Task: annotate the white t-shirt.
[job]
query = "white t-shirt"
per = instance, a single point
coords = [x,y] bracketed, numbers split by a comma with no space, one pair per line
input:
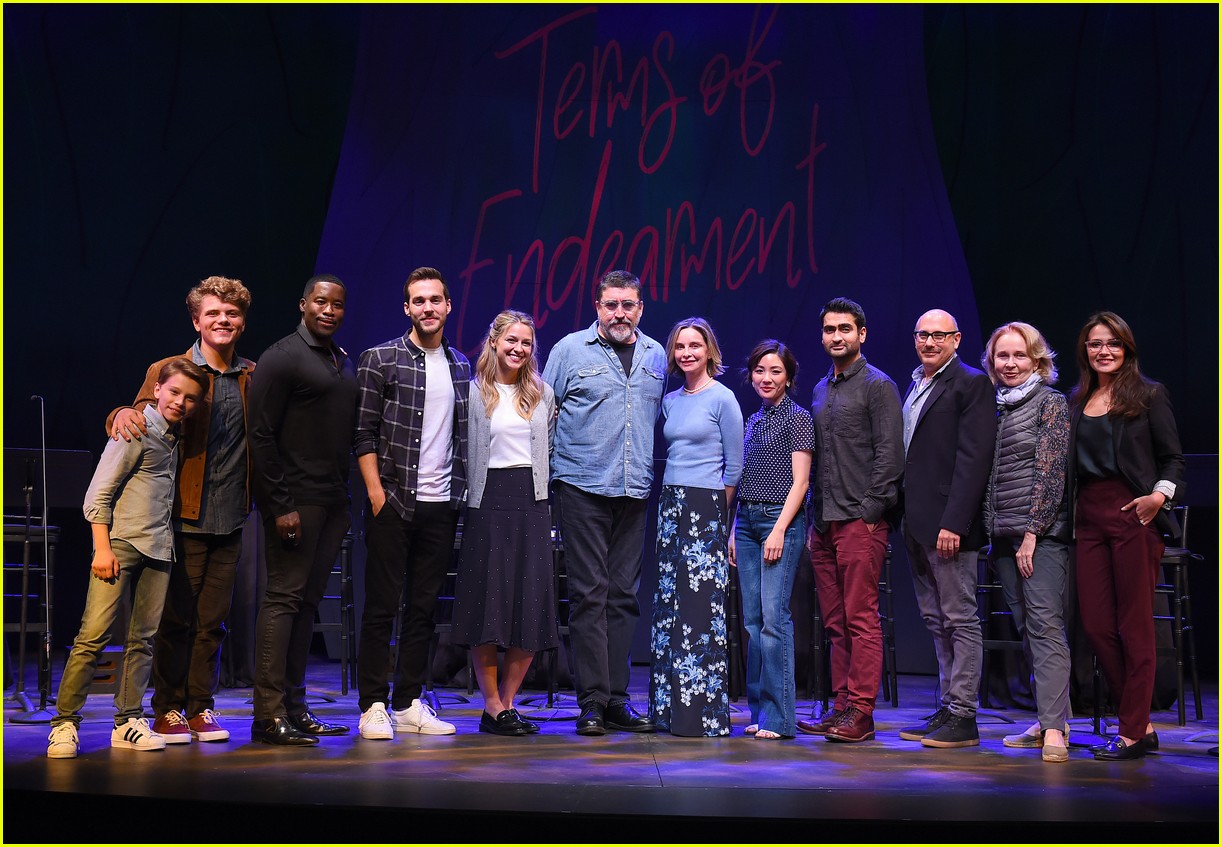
[437,437]
[510,447]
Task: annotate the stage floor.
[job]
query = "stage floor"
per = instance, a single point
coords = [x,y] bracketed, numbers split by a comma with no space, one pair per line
[557,786]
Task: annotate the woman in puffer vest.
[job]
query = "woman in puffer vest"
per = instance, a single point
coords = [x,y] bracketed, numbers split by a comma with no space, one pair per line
[1026,515]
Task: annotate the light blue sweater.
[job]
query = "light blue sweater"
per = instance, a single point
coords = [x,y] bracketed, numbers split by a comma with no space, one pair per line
[704,438]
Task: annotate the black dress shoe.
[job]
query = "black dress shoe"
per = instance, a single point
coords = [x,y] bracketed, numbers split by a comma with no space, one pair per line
[627,719]
[530,725]
[503,724]
[590,721]
[1149,741]
[280,731]
[308,723]
[1117,751]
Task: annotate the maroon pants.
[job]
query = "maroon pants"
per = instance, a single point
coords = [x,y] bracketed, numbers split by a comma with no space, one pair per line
[846,560]
[1117,563]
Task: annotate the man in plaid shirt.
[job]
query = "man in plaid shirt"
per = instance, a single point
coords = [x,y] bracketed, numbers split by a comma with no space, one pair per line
[411,447]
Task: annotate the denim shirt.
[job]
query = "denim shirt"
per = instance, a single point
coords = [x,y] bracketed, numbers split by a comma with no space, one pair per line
[605,421]
[223,503]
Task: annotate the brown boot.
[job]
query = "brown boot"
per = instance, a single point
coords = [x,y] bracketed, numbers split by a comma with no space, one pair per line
[821,726]
[856,725]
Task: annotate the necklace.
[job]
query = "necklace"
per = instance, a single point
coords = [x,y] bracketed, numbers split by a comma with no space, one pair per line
[699,387]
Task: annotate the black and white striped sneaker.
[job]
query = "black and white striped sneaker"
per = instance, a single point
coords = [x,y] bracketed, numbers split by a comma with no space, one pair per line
[136,735]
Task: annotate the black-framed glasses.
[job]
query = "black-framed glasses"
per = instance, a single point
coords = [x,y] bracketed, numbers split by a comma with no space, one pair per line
[938,337]
[615,305]
[1114,345]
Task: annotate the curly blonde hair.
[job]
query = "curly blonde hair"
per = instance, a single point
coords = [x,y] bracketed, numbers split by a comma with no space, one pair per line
[224,289]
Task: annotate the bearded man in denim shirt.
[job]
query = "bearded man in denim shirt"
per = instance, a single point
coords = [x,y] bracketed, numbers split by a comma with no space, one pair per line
[608,381]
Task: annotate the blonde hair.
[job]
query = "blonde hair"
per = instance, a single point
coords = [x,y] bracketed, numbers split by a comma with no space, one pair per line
[224,289]
[713,364]
[1037,349]
[528,389]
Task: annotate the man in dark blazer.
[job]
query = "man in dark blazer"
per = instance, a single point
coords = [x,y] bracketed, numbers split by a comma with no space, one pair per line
[950,426]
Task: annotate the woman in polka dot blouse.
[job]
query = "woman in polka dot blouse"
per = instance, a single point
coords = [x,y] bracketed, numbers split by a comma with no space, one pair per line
[767,537]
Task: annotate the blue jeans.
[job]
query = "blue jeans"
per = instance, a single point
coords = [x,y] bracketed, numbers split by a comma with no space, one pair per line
[766,589]
[151,578]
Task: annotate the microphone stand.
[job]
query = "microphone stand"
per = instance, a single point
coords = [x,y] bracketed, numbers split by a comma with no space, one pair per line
[19,695]
[39,715]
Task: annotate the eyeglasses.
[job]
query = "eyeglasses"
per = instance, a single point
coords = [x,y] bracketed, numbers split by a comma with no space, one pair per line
[614,305]
[938,337]
[1114,345]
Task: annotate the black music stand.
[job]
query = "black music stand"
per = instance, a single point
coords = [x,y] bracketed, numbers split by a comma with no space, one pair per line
[62,483]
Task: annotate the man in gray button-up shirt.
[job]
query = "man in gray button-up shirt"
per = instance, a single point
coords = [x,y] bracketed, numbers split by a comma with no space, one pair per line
[608,381]
[858,462]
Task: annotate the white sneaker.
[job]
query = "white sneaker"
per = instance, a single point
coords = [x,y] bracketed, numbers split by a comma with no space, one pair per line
[136,734]
[63,742]
[420,717]
[375,723]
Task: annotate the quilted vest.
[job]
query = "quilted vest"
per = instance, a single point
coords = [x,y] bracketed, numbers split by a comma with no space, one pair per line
[1007,503]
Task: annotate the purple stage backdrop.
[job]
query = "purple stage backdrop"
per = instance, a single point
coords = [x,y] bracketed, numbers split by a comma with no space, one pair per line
[747,162]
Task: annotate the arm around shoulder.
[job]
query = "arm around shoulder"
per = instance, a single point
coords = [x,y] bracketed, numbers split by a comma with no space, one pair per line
[132,425]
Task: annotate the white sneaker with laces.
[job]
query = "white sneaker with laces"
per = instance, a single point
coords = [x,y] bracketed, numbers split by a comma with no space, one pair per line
[136,734]
[420,717]
[63,743]
[375,723]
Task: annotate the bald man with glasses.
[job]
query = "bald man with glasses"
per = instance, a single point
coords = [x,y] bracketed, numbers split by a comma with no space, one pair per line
[950,427]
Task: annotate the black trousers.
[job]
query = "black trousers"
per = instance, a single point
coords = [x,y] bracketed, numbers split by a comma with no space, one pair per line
[414,553]
[296,580]
[187,647]
[603,547]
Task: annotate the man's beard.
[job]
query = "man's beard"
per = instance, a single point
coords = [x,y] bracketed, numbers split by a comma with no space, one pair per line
[621,332]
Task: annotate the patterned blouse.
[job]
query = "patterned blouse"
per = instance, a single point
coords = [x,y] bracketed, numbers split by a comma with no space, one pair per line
[774,434]
[1051,456]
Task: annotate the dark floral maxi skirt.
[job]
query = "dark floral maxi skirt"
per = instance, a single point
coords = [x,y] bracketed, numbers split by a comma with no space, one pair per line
[688,671]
